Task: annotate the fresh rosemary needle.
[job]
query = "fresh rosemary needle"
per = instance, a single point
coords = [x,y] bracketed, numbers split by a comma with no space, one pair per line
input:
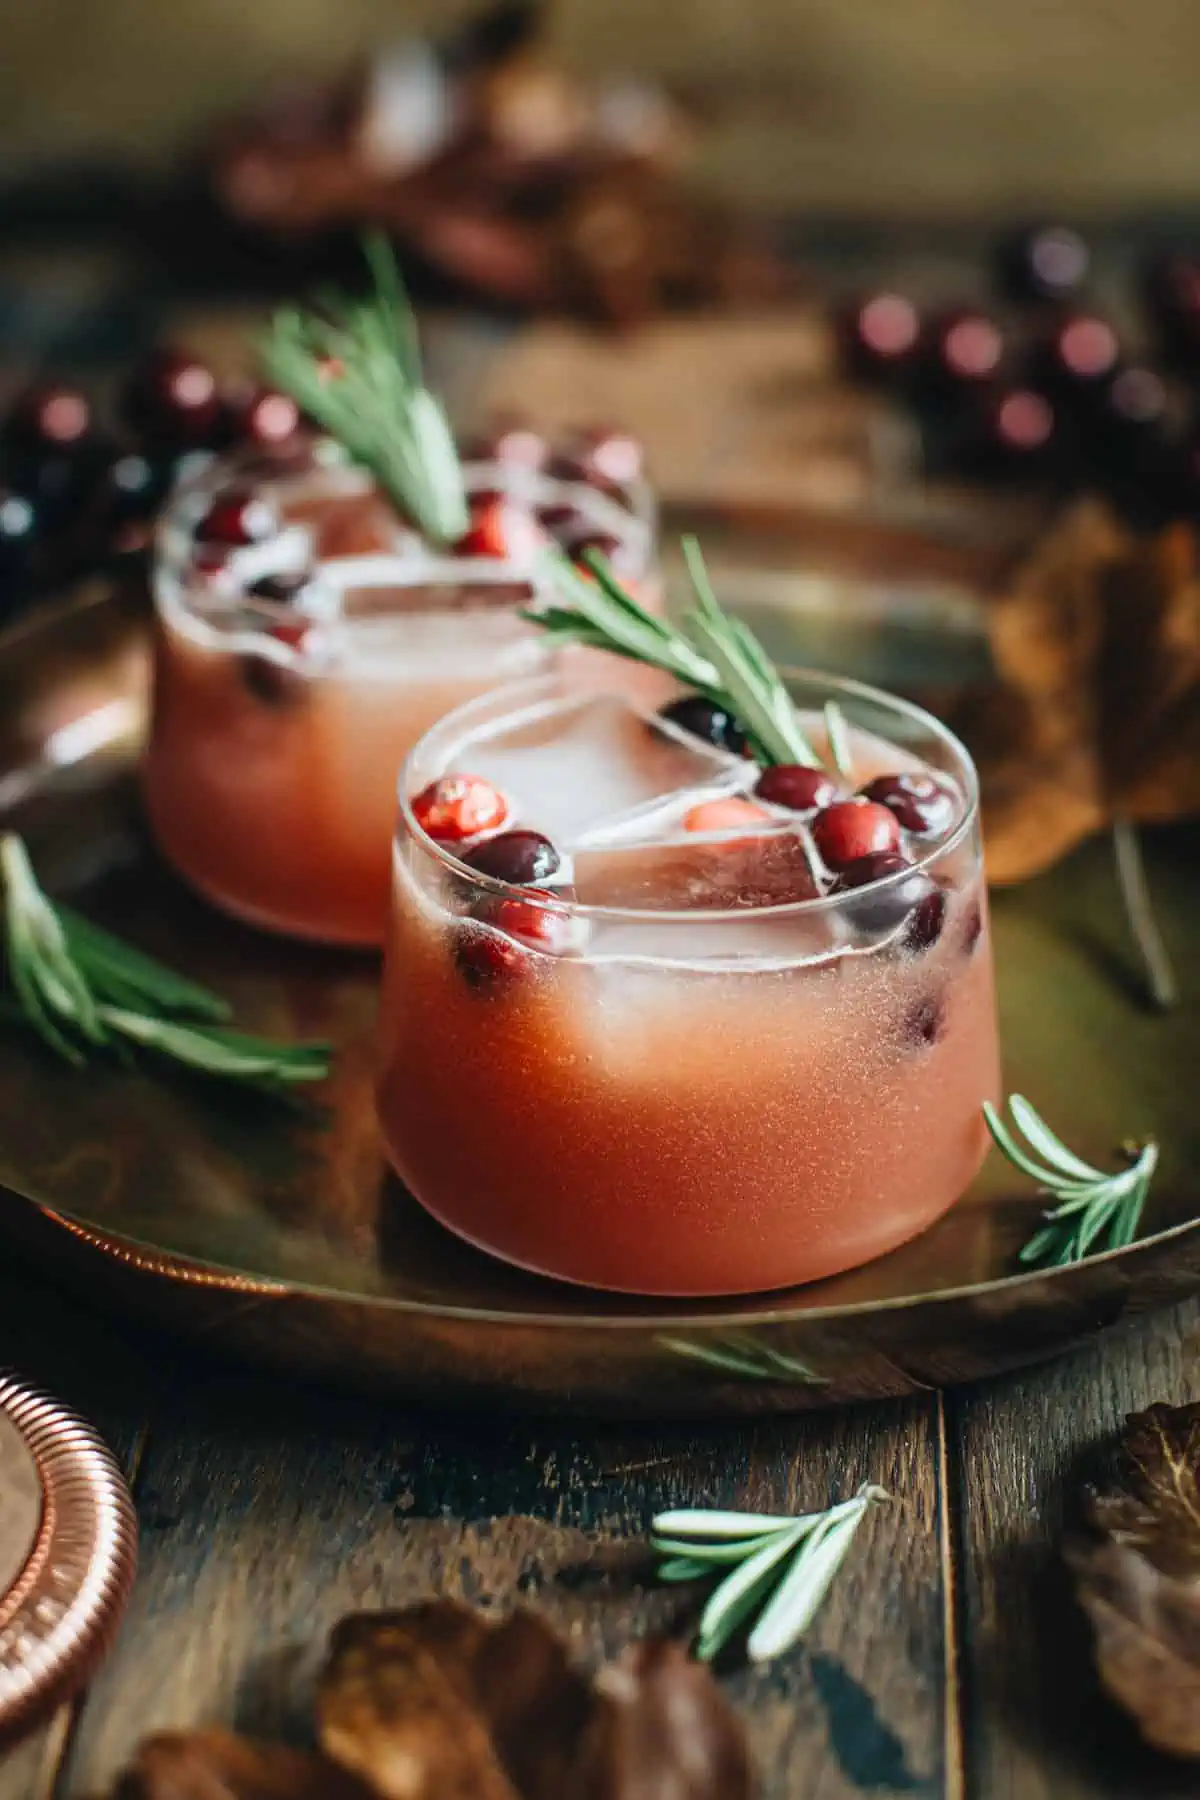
[1096,1210]
[355,367]
[710,651]
[84,990]
[780,1568]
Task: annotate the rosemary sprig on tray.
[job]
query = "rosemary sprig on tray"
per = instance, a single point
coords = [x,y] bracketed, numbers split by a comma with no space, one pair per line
[83,990]
[717,655]
[780,1568]
[355,367]
[1095,1211]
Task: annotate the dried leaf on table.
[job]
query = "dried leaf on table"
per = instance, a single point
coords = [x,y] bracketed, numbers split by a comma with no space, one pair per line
[437,1703]
[1095,712]
[1138,1577]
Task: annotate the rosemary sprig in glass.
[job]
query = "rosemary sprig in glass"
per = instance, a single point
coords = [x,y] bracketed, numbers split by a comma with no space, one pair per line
[1095,1211]
[84,990]
[711,652]
[355,367]
[780,1568]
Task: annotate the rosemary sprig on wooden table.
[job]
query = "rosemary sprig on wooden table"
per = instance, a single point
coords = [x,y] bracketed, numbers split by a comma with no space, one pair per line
[355,367]
[710,651]
[780,1568]
[83,990]
[1095,1211]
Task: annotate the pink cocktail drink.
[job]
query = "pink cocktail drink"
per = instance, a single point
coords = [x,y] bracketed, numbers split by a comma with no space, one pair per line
[306,638]
[664,1034]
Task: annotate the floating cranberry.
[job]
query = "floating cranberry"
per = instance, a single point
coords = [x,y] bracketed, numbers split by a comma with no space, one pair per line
[266,417]
[502,529]
[537,919]
[457,807]
[927,919]
[851,829]
[1049,262]
[488,960]
[924,1022]
[881,337]
[800,789]
[284,589]
[885,909]
[237,519]
[174,398]
[515,446]
[706,720]
[521,858]
[921,803]
[729,814]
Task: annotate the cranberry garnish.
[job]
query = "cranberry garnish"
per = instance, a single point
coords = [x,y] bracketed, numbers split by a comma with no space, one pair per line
[706,720]
[174,398]
[850,829]
[283,588]
[879,912]
[1047,263]
[881,336]
[500,528]
[266,417]
[724,815]
[522,858]
[798,788]
[237,519]
[515,446]
[921,803]
[457,807]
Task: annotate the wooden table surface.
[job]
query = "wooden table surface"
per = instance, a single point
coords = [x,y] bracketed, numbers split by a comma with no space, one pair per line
[949,1661]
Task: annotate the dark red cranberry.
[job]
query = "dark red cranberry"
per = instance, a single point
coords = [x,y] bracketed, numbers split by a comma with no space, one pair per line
[1019,436]
[881,337]
[457,807]
[1081,353]
[48,419]
[800,789]
[1049,262]
[536,918]
[174,399]
[515,446]
[963,349]
[488,960]
[921,803]
[924,1022]
[237,519]
[265,417]
[500,528]
[522,858]
[885,909]
[926,921]
[850,829]
[292,632]
[705,719]
[283,589]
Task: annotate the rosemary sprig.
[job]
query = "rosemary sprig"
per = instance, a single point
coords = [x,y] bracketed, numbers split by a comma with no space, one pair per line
[83,990]
[717,655]
[1095,1210]
[782,1568]
[355,367]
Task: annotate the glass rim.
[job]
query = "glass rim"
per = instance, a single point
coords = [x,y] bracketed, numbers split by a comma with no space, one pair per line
[543,897]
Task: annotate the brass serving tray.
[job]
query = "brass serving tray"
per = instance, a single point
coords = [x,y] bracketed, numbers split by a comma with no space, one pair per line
[280,1236]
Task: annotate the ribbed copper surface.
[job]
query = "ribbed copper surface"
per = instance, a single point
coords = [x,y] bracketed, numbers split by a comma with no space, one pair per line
[60,1614]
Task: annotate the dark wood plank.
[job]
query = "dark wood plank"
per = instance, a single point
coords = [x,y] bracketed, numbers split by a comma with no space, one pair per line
[1037,1725]
[268,1512]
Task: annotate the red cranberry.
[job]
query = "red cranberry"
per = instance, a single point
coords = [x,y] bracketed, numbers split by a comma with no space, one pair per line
[850,829]
[292,632]
[500,528]
[881,337]
[921,803]
[532,920]
[49,418]
[926,920]
[283,589]
[174,397]
[800,789]
[521,858]
[1048,263]
[924,1022]
[237,519]
[515,446]
[457,807]
[883,910]
[266,418]
[1019,436]
[965,349]
[705,719]
[1082,352]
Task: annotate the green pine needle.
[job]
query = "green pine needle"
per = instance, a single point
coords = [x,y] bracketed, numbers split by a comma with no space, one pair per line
[1096,1210]
[82,990]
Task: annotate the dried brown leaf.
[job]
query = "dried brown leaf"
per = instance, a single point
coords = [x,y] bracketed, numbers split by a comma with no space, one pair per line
[1138,1577]
[1095,710]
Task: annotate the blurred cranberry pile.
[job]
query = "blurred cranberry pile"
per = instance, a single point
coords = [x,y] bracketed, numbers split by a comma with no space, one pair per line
[78,490]
[1039,386]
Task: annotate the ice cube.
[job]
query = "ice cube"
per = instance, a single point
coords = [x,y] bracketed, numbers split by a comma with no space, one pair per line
[585,768]
[703,873]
